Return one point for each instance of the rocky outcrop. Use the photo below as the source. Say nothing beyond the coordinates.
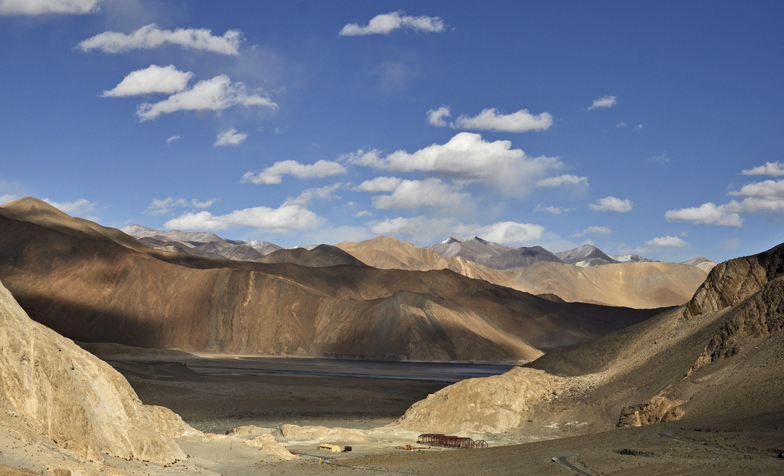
(68, 395)
(731, 282)
(757, 317)
(659, 409)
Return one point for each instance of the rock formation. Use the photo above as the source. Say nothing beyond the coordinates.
(49, 384)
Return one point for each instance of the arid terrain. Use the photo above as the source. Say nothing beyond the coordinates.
(693, 389)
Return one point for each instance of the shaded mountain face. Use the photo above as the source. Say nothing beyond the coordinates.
(716, 356)
(492, 255)
(320, 256)
(83, 284)
(208, 245)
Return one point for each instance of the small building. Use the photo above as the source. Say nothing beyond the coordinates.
(329, 447)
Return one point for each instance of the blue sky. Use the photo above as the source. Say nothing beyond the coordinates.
(654, 129)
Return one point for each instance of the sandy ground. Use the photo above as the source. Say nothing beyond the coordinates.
(352, 411)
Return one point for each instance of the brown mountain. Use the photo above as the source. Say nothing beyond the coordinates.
(715, 357)
(638, 285)
(319, 256)
(93, 283)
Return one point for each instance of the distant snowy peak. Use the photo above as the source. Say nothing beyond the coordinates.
(703, 263)
(630, 259)
(452, 239)
(588, 254)
(204, 244)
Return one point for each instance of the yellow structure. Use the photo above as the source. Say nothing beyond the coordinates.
(328, 447)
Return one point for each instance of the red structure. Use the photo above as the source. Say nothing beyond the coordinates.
(437, 439)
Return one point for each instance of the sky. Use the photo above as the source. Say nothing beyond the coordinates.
(651, 128)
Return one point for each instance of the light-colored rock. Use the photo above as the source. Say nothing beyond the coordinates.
(70, 396)
(268, 445)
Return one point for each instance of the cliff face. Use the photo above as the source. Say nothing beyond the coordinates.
(732, 281)
(65, 393)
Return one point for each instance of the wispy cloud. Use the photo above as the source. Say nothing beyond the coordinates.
(48, 7)
(386, 23)
(78, 207)
(150, 37)
(159, 207)
(214, 94)
(230, 137)
(562, 180)
(423, 230)
(606, 101)
(275, 173)
(552, 210)
(172, 139)
(592, 230)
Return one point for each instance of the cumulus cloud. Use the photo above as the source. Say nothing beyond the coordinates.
(552, 210)
(758, 197)
(466, 156)
(159, 207)
(520, 121)
(230, 137)
(611, 204)
(388, 22)
(562, 180)
(274, 174)
(606, 101)
(78, 207)
(435, 117)
(592, 230)
(285, 219)
(154, 79)
(46, 7)
(666, 242)
(490, 119)
(214, 94)
(379, 184)
(770, 168)
(430, 192)
(705, 214)
(422, 230)
(150, 37)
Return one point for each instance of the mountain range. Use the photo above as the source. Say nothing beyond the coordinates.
(92, 283)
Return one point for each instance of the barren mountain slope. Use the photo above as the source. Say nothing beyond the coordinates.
(686, 363)
(56, 393)
(86, 286)
(640, 285)
(320, 256)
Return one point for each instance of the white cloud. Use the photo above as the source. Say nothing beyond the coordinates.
(552, 210)
(172, 139)
(666, 242)
(435, 117)
(214, 94)
(606, 101)
(321, 193)
(611, 204)
(287, 218)
(622, 124)
(592, 230)
(562, 180)
(466, 156)
(386, 23)
(78, 207)
(659, 159)
(159, 207)
(230, 137)
(44, 7)
(150, 36)
(520, 121)
(379, 184)
(154, 79)
(770, 168)
(363, 213)
(423, 230)
(274, 174)
(705, 214)
(430, 192)
(638, 127)
(7, 198)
